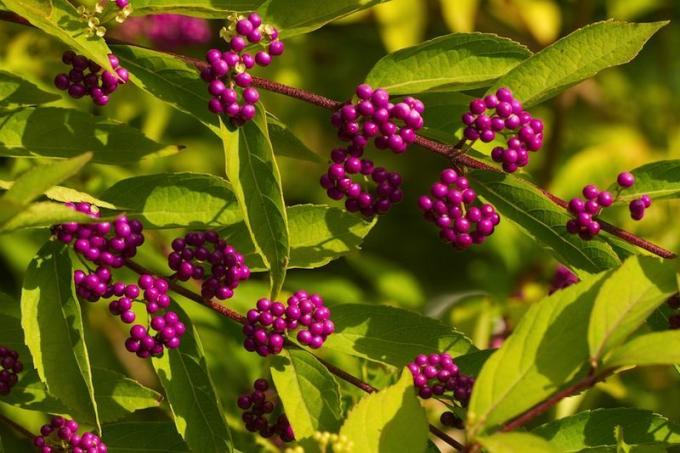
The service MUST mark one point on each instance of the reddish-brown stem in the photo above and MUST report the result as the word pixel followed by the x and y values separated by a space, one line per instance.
pixel 237 317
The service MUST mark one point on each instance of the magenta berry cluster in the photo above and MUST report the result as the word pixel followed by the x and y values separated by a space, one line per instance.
pixel 229 82
pixel 10 367
pixel 436 374
pixel 122 4
pixel 268 323
pixel 103 243
pixel 61 434
pixel 257 409
pixel 585 210
pixel 88 78
pixel 502 114
pixel 562 278
pixel 204 256
pixel 168 334
pixel 451 206
pixel 673 303
pixel 167 31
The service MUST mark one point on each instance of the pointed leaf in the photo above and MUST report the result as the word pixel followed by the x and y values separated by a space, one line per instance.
pixel 627 299
pixel 255 179
pixel 650 349
pixel 391 335
pixel 143 437
pixel 53 328
pixel 576 57
pixel 62 133
pixel 459 61
pixel 515 443
pixel 389 420
pixel 17 90
pixel 595 429
pixel 169 200
pixel 42 214
pixel 308 391
pixel 287 144
pixel 118 395
pixel 659 180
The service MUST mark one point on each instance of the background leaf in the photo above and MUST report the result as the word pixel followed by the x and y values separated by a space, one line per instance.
pixel 576 57
pixel 142 437
pixel 17 90
pixel 53 328
pixel 391 335
pixel 389 420
pixel 255 178
pixel 169 200
pixel 659 180
pixel 458 61
pixel 595 429
pixel 62 133
pixel 287 144
pixel 309 393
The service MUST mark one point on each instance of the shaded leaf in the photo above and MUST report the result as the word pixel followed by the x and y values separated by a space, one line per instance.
pixel 650 349
pixel 42 214
pixel 287 144
pixel 515 443
pixel 659 180
pixel 17 90
pixel 143 437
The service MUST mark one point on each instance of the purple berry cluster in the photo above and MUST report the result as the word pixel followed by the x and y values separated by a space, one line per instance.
pixel 166 31
pixel 562 278
pixel 267 324
pixel 435 374
pixel 227 72
pixel 501 113
pixel 673 303
pixel 105 243
pixel 10 367
pixel 204 256
pixel 450 207
pixel 586 210
pixel 256 407
pixel 169 331
pixel 88 78
pixel 94 285
pixel 61 434
pixel 450 419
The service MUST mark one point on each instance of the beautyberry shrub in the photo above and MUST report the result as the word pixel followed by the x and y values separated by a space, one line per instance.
pixel 88 78
pixel 61 434
pixel 10 367
pixel 257 413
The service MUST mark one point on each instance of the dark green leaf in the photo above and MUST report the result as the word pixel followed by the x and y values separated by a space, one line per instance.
pixel 459 61
pixel 16 90
pixel 391 335
pixel 62 133
pixel 309 393
pixel 287 144
pixel 576 57
pixel 143 437
pixel 53 328
pixel 593 429
pixel 255 178
pixel 169 200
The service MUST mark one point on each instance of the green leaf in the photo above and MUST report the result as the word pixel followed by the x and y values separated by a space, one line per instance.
pixel 118 395
pixel 41 215
pixel 309 393
pixel 626 300
pixel 195 405
pixel 389 420
pixel 60 19
pixel 143 437
pixel 443 112
pixel 515 443
pixel 53 328
pixel 287 144
pixel 295 17
pixel 528 207
pixel 459 61
pixel 576 57
pixel 255 178
pixel 17 90
pixel 167 200
pixel 391 335
pixel 545 352
pixel 659 180
pixel 62 133
pixel 214 9
pixel 64 194
pixel 650 349
pixel 593 429
pixel 318 235
pixel 39 179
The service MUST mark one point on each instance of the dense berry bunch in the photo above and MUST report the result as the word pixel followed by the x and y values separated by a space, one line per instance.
pixel 88 78
pixel 10 366
pixel 451 207
pixel 268 323
pixel 501 113
pixel 95 285
pixel 562 278
pixel 169 331
pixel 256 416
pixel 61 434
pixel 674 304
pixel 436 374
pixel 373 116
pixel 166 31
pixel 586 210
pixel 204 256
pixel 104 243
pixel 227 75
